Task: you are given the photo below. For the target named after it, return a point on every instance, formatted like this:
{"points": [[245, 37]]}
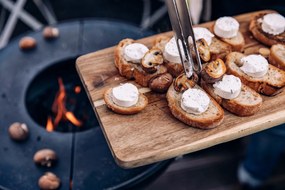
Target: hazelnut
{"points": [[49, 181], [50, 32], [27, 43], [18, 131], [45, 157], [161, 83]]}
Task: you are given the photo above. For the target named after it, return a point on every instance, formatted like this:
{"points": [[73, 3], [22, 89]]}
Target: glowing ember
{"points": [[77, 89], [60, 111]]}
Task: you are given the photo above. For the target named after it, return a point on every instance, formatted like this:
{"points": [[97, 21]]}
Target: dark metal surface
{"points": [[84, 156]]}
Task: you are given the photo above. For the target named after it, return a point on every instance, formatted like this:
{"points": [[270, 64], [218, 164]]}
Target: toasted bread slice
{"points": [[237, 42], [139, 106], [143, 78], [174, 69], [270, 84], [260, 35], [207, 120], [161, 41], [125, 68], [219, 49], [247, 103], [277, 56]]}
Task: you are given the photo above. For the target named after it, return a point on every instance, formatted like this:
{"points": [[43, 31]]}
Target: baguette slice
{"points": [[207, 120], [139, 106], [237, 42], [277, 56], [125, 68], [175, 69], [218, 49], [247, 103], [260, 35], [143, 78], [270, 84]]}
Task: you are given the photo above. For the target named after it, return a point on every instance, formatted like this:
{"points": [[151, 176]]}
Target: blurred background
{"points": [[134, 12]]}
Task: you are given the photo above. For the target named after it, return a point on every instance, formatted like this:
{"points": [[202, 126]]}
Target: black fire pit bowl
{"points": [[84, 159]]}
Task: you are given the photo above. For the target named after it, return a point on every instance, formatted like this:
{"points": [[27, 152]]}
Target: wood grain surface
{"points": [[154, 134]]}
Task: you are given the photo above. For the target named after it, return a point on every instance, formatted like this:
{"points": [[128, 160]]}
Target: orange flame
{"points": [[70, 116], [49, 126], [59, 109]]}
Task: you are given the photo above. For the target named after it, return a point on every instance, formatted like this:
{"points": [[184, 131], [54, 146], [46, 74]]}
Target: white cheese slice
{"points": [[226, 27], [195, 101], [204, 33], [228, 88], [171, 52], [273, 23], [135, 52], [125, 95], [254, 65]]}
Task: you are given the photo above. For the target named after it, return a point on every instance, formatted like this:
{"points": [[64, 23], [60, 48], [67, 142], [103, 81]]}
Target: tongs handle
{"points": [[181, 22]]}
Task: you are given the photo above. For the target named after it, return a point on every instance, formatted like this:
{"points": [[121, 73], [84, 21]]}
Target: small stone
{"points": [[45, 157], [18, 131], [27, 43], [50, 32], [49, 181]]}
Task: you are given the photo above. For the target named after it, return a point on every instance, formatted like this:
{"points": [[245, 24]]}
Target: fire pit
{"points": [[41, 88], [58, 93]]}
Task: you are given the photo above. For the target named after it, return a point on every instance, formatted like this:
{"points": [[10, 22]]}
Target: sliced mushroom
{"points": [[182, 83], [213, 71], [204, 50], [151, 60], [160, 83]]}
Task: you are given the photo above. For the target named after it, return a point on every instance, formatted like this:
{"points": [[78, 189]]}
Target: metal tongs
{"points": [[181, 22]]}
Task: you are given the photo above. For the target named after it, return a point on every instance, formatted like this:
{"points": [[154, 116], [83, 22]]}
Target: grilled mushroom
{"points": [[160, 83], [204, 50], [151, 60], [182, 83], [213, 71]]}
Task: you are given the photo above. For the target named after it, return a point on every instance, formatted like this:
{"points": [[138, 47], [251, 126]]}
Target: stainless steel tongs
{"points": [[181, 22]]}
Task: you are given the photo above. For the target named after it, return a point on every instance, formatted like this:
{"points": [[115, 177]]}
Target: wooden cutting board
{"points": [[154, 134]]}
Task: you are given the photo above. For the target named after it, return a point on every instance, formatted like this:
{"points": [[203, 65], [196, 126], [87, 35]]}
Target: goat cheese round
{"points": [[195, 101], [273, 23], [228, 88], [135, 52], [226, 27], [171, 52], [125, 95], [204, 33], [254, 65]]}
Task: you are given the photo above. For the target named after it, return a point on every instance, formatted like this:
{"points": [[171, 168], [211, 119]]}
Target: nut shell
{"points": [[50, 32], [213, 71], [45, 157], [161, 83], [27, 43], [49, 181], [18, 131]]}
